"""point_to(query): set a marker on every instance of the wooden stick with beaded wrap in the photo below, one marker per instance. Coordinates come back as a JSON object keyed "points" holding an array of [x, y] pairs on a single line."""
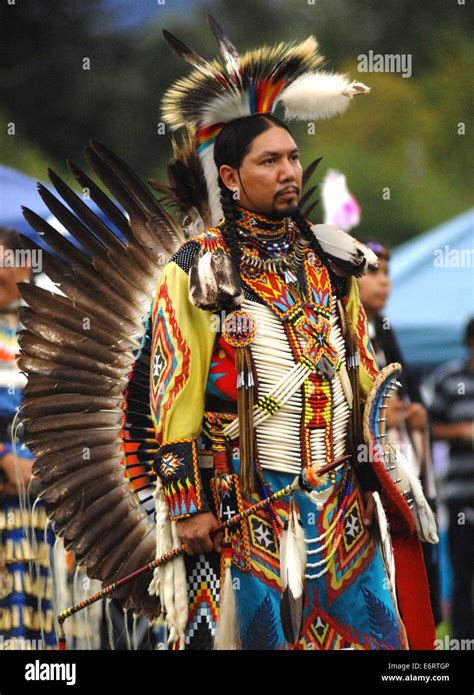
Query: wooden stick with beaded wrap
{"points": [[299, 483]]}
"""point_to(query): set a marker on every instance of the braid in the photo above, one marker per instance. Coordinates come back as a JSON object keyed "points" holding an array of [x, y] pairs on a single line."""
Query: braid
{"points": [[305, 229], [302, 224], [229, 229]]}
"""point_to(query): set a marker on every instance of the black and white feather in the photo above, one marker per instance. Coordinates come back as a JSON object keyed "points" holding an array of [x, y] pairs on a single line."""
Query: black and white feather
{"points": [[346, 254]]}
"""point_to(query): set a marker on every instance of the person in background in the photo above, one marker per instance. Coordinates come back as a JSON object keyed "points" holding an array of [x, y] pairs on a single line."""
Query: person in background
{"points": [[374, 290], [407, 419], [452, 413], [26, 616]]}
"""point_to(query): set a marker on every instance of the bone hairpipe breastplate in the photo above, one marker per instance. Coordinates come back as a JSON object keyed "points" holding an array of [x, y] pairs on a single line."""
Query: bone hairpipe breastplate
{"points": [[311, 424]]}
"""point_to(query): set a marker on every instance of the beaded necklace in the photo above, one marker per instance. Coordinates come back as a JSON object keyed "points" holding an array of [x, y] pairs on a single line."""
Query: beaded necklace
{"points": [[270, 244]]}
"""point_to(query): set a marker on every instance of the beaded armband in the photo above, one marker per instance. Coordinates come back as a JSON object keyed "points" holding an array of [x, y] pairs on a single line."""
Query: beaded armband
{"points": [[177, 465]]}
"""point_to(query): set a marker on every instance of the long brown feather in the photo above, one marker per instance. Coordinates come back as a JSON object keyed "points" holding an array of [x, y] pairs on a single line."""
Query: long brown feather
{"points": [[63, 311], [109, 246], [149, 222], [228, 50], [110, 519], [54, 404], [49, 443], [73, 421], [107, 564], [138, 555], [80, 522], [187, 54], [53, 332], [34, 345], [55, 493], [51, 472], [99, 260], [304, 199], [76, 285], [309, 171], [63, 510], [112, 212], [39, 385], [309, 209], [65, 373]]}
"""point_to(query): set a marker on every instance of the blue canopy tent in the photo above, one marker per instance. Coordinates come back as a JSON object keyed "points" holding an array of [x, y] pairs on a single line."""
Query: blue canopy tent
{"points": [[17, 189], [433, 292]]}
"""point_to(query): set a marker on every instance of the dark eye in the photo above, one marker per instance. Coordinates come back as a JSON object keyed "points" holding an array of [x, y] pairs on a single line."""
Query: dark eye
{"points": [[269, 160]]}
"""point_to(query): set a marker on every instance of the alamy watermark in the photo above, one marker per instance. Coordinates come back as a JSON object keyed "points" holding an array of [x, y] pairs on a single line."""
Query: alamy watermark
{"points": [[447, 644], [238, 323], [448, 257], [21, 258], [369, 453], [40, 671], [385, 62]]}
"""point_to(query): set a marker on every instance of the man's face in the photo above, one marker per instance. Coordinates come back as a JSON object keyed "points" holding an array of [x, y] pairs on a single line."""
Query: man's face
{"points": [[374, 288], [270, 177]]}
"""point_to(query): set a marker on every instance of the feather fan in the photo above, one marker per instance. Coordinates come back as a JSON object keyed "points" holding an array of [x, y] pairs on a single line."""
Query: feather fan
{"points": [[86, 354]]}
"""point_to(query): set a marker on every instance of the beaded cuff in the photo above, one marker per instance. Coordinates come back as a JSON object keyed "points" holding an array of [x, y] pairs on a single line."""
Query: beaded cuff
{"points": [[177, 465]]}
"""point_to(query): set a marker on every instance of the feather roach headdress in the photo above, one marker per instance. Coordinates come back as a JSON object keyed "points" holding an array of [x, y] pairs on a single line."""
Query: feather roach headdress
{"points": [[217, 92]]}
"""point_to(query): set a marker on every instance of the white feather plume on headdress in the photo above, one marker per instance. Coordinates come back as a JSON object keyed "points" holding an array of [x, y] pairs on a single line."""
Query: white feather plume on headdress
{"points": [[318, 96]]}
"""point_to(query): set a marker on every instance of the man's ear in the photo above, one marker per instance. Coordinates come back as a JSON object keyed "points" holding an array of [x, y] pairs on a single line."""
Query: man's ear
{"points": [[229, 176]]}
